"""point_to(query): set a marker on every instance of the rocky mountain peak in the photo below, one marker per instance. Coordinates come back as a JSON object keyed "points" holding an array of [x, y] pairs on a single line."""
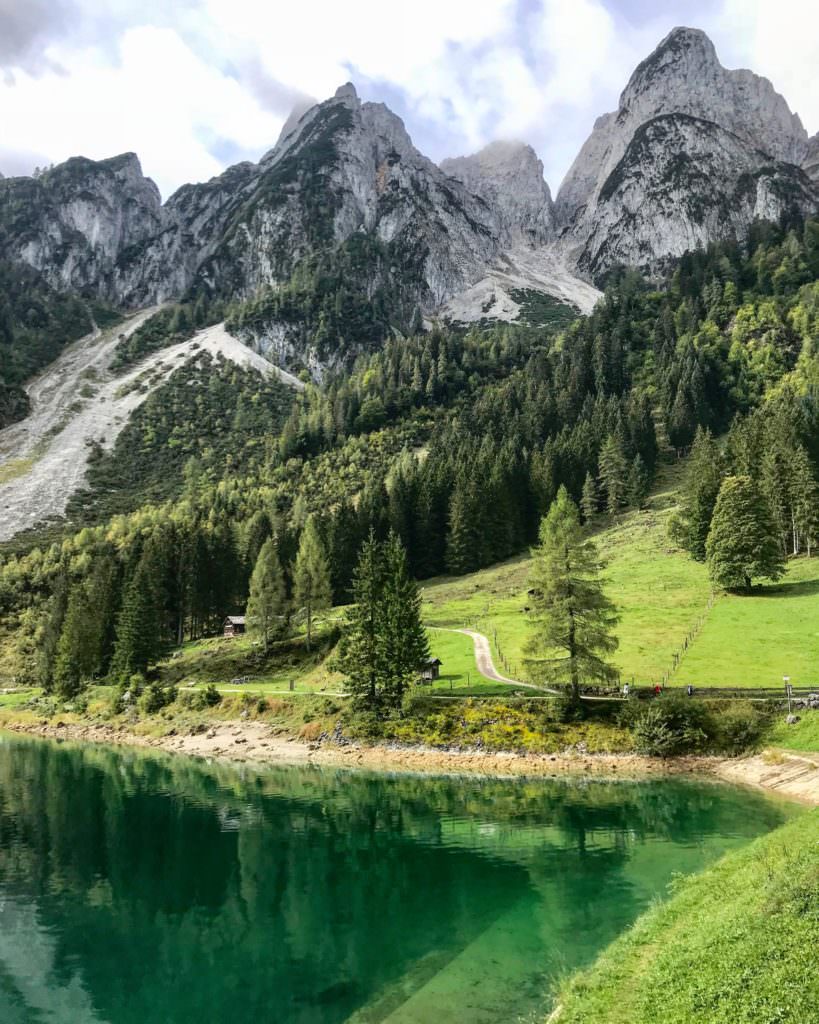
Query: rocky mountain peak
{"points": [[810, 165], [508, 176]]}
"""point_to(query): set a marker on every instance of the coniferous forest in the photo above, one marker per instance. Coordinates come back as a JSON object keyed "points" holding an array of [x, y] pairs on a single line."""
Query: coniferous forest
{"points": [[448, 444]]}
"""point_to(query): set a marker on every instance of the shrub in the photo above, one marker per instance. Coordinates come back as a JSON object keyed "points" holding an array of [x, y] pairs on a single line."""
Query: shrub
{"points": [[740, 728], [669, 726], [157, 697]]}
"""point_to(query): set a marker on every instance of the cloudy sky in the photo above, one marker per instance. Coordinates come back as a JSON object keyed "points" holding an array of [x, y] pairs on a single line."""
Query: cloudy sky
{"points": [[194, 85]]}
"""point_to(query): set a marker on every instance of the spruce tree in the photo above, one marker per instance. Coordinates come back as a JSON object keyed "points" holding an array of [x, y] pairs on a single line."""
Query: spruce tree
{"points": [[267, 603], [742, 544], [638, 482], [403, 639], [613, 472], [589, 501], [703, 480], [138, 631], [311, 576], [361, 650], [572, 617]]}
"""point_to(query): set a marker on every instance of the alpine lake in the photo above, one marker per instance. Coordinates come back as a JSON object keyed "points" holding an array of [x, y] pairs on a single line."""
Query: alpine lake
{"points": [[144, 889]]}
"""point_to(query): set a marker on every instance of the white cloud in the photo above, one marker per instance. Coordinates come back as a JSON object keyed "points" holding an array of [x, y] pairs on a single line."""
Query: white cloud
{"points": [[779, 40], [190, 85], [160, 100]]}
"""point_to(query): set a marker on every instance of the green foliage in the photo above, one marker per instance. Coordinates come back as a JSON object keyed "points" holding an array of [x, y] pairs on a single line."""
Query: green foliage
{"points": [[703, 481], [170, 325], [267, 603], [384, 644], [311, 576], [572, 617], [211, 410], [669, 726], [156, 697], [734, 944], [36, 322], [741, 543]]}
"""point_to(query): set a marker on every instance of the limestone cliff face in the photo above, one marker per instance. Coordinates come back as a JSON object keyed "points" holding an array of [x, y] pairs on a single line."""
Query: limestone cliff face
{"points": [[77, 220], [509, 177], [693, 153], [349, 168], [810, 164]]}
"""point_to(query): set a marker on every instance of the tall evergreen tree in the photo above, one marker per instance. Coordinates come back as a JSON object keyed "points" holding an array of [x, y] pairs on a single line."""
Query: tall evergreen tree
{"points": [[361, 650], [571, 615], [638, 482], [590, 500], [613, 472], [311, 576], [742, 544], [703, 480], [267, 603], [403, 639], [139, 639]]}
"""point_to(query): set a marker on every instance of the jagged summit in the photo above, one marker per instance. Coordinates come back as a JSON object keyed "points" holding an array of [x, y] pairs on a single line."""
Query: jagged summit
{"points": [[694, 152], [509, 177]]}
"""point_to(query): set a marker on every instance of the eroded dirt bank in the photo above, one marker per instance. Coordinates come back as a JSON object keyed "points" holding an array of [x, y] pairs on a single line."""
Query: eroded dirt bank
{"points": [[791, 775]]}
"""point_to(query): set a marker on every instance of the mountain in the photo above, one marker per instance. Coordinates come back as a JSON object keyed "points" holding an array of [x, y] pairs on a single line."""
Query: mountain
{"points": [[75, 222], [508, 176], [693, 153], [344, 233], [810, 164]]}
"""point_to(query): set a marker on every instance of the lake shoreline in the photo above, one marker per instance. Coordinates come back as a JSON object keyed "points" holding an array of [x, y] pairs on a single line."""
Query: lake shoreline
{"points": [[785, 774]]}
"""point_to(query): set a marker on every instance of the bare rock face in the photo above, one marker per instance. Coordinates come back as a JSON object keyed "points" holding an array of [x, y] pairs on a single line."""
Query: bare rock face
{"points": [[694, 153], [509, 177], [77, 220], [810, 164]]}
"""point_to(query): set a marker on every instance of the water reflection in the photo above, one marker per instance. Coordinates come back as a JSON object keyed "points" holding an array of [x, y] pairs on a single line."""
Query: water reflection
{"points": [[160, 889]]}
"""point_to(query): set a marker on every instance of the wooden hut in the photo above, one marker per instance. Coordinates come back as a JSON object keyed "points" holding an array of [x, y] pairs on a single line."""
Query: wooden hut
{"points": [[430, 669], [234, 625]]}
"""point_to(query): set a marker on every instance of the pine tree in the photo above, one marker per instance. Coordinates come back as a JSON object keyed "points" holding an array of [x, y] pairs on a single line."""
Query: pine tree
{"points": [[590, 500], [463, 534], [806, 502], [403, 639], [138, 631], [742, 543], [267, 603], [571, 615], [311, 576], [638, 482], [613, 473], [361, 650], [690, 528]]}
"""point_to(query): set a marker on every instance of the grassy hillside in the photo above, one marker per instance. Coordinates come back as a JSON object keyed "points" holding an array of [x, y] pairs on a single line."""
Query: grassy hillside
{"points": [[755, 640], [661, 595], [735, 945]]}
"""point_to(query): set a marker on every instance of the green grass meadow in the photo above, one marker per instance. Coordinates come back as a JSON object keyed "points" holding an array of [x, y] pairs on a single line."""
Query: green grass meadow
{"points": [[734, 945]]}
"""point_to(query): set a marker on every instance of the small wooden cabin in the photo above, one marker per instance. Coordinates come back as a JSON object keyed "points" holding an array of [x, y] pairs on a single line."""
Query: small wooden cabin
{"points": [[234, 625], [430, 669]]}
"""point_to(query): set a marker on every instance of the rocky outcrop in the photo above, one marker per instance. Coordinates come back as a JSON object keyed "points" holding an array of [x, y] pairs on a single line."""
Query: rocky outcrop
{"points": [[509, 177], [693, 153], [810, 164], [74, 222]]}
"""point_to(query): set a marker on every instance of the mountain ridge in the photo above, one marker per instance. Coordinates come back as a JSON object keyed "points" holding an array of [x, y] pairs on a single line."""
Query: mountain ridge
{"points": [[694, 153]]}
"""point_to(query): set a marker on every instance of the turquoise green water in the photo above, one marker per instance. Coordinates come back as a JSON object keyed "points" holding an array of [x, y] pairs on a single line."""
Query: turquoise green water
{"points": [[144, 890]]}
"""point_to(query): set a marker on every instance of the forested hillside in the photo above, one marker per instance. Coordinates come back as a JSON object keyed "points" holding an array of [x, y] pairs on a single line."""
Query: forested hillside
{"points": [[457, 441]]}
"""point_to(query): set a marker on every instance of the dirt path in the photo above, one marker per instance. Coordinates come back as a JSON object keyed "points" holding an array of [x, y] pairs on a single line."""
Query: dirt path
{"points": [[484, 662]]}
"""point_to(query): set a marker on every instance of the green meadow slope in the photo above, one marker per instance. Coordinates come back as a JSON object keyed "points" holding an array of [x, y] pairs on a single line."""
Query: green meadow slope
{"points": [[663, 598], [734, 945]]}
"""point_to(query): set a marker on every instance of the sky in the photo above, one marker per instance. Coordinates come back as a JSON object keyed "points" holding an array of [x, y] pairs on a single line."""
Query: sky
{"points": [[193, 86]]}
